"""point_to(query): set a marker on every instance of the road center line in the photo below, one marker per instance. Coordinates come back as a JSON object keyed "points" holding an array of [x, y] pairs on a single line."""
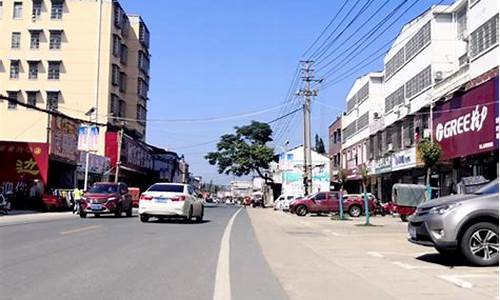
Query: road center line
{"points": [[222, 289], [80, 229]]}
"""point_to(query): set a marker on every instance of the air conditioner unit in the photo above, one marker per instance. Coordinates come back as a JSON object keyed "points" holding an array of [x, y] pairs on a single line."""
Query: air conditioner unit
{"points": [[389, 147], [376, 116], [464, 36], [438, 76]]}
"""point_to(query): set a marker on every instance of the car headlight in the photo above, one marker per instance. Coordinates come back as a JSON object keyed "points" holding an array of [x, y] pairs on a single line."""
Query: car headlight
{"points": [[112, 198], [442, 209]]}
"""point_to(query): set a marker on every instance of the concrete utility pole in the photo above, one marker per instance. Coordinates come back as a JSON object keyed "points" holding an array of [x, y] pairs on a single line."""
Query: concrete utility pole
{"points": [[307, 93]]}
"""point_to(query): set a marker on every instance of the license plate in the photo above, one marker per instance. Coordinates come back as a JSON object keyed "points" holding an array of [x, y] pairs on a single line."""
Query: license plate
{"points": [[96, 206], [162, 200], [412, 232]]}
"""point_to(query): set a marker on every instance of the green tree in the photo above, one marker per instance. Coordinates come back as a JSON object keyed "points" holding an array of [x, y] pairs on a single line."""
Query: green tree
{"points": [[319, 145], [430, 152], [244, 151]]}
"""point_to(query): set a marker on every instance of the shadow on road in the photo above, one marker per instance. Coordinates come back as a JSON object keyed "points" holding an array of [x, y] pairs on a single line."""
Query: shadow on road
{"points": [[177, 221], [450, 260]]}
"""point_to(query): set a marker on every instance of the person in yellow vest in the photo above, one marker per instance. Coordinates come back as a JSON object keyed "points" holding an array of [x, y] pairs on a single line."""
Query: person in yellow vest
{"points": [[77, 196]]}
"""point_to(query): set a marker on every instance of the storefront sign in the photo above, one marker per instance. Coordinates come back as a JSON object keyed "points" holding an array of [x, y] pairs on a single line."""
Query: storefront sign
{"points": [[133, 153], [23, 161], [97, 164], [383, 165], [465, 125], [404, 159], [64, 139]]}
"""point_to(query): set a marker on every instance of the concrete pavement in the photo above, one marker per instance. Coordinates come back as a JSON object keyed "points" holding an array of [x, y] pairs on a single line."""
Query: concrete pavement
{"points": [[317, 258]]}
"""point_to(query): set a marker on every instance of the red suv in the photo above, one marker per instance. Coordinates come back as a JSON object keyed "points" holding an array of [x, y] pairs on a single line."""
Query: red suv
{"points": [[326, 202], [106, 198]]}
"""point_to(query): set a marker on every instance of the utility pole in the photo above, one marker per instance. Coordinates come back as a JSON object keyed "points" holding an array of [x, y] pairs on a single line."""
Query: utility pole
{"points": [[307, 93], [119, 154]]}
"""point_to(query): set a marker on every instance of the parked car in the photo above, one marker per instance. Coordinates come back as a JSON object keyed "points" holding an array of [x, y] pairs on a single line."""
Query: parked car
{"points": [[106, 198], [326, 202], [466, 224], [283, 202], [354, 204], [168, 200]]}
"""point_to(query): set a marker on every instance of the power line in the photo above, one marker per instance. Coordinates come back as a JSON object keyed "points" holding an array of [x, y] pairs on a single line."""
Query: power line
{"points": [[358, 14], [334, 30], [325, 29]]}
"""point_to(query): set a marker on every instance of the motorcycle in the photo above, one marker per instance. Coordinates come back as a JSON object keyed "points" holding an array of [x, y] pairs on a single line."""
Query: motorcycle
{"points": [[5, 205]]}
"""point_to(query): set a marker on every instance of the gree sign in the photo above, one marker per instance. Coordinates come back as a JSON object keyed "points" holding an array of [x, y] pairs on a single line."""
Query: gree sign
{"points": [[465, 125], [469, 122]]}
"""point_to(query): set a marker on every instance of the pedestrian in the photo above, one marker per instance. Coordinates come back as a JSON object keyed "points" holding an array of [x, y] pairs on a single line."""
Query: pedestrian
{"points": [[77, 196]]}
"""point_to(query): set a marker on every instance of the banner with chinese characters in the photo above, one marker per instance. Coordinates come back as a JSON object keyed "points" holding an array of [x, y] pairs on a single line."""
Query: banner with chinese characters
{"points": [[20, 161], [64, 139], [88, 138]]}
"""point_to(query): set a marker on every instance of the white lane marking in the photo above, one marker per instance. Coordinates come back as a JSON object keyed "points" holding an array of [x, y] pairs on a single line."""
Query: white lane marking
{"points": [[328, 231], [457, 281], [222, 289], [80, 229], [411, 267], [375, 254]]}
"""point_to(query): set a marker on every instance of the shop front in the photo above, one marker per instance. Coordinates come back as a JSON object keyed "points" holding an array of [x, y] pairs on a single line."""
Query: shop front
{"points": [[24, 172], [98, 169], [466, 128]]}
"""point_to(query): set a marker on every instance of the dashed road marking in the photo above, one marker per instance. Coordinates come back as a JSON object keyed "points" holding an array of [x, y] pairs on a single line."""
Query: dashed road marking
{"points": [[80, 229], [411, 267], [375, 254], [457, 281]]}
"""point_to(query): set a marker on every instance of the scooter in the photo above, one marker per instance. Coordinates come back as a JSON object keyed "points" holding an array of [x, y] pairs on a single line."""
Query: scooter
{"points": [[4, 205]]}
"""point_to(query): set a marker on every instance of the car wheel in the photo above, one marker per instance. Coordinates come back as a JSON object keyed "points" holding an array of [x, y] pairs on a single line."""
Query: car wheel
{"points": [[355, 211], [199, 219], [189, 215], [83, 214], [129, 210], [118, 211], [404, 218], [479, 244], [301, 210], [144, 218]]}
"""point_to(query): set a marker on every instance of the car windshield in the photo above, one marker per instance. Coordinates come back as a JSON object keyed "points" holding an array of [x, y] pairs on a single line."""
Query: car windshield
{"points": [[174, 188], [103, 188], [490, 188]]}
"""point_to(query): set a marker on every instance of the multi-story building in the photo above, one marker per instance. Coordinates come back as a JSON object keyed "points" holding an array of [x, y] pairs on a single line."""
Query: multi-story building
{"points": [[364, 105], [73, 57], [335, 148]]}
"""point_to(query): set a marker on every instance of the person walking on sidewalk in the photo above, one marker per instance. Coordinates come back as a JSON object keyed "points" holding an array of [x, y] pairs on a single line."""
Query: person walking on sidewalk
{"points": [[77, 197]]}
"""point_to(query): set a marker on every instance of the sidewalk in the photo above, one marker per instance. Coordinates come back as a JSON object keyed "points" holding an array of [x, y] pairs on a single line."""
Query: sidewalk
{"points": [[29, 216], [317, 258]]}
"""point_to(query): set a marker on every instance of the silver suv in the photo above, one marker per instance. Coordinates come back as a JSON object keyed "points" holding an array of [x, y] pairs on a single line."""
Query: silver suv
{"points": [[464, 224]]}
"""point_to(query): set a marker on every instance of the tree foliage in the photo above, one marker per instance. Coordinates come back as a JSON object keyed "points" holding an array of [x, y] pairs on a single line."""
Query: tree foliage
{"points": [[430, 152], [319, 145], [244, 151]]}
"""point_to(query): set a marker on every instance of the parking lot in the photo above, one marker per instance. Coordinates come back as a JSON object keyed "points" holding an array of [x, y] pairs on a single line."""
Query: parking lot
{"points": [[375, 257]]}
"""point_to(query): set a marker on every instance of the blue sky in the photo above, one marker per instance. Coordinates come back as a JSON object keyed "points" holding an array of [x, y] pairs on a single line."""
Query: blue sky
{"points": [[227, 57]]}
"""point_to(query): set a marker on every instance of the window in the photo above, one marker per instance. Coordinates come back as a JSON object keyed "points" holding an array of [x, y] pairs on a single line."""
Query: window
{"points": [[123, 82], [52, 100], [484, 37], [144, 35], [14, 69], [461, 16], [320, 196], [142, 88], [12, 95], [115, 75], [418, 42], [141, 113], [18, 10], [395, 63], [54, 70], [143, 61], [35, 40], [124, 54], [33, 69], [15, 40], [395, 99], [166, 187], [125, 26], [36, 10], [363, 121], [351, 103], [362, 95], [114, 105], [349, 130], [117, 15], [116, 45], [56, 10], [121, 108], [32, 98], [418, 83], [55, 39]]}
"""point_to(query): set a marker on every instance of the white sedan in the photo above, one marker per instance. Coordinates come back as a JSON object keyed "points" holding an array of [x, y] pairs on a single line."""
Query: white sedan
{"points": [[170, 200]]}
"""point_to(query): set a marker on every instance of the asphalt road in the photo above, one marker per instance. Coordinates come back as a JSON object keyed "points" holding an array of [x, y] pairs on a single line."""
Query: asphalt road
{"points": [[109, 258]]}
